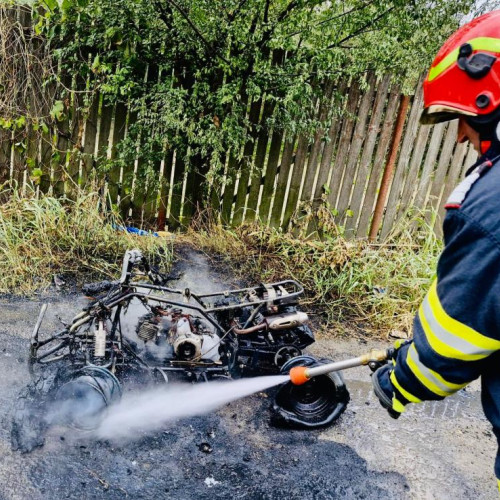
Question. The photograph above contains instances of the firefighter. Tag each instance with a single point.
(456, 332)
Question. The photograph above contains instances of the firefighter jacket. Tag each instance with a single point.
(456, 332)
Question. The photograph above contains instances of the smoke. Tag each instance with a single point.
(147, 412)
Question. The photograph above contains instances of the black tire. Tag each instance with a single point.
(317, 403)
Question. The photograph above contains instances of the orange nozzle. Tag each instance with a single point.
(299, 375)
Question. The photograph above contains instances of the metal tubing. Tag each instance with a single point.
(53, 350)
(377, 355)
(299, 290)
(334, 367)
(34, 335)
(76, 325)
(252, 329)
(41, 343)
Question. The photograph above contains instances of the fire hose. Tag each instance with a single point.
(301, 374)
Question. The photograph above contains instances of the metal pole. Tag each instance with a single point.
(389, 168)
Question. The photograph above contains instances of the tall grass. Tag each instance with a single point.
(41, 236)
(379, 287)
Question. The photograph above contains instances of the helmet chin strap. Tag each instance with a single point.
(488, 127)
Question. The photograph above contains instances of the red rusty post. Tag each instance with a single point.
(389, 168)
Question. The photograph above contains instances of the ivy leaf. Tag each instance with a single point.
(20, 122)
(36, 176)
(95, 64)
(51, 4)
(57, 111)
(65, 4)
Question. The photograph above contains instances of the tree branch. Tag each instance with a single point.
(337, 16)
(266, 11)
(362, 29)
(236, 11)
(210, 49)
(268, 33)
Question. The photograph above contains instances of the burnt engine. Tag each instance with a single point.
(178, 336)
(132, 328)
(267, 335)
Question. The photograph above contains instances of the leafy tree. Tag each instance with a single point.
(190, 68)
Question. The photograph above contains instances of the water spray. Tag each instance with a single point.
(299, 375)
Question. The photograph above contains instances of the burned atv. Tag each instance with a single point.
(142, 328)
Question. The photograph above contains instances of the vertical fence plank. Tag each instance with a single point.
(443, 165)
(89, 141)
(344, 143)
(456, 166)
(355, 148)
(387, 176)
(367, 155)
(296, 179)
(4, 156)
(257, 173)
(321, 187)
(378, 164)
(313, 163)
(284, 172)
(411, 183)
(119, 130)
(402, 166)
(245, 165)
(177, 181)
(165, 190)
(429, 164)
(229, 185)
(270, 176)
(18, 156)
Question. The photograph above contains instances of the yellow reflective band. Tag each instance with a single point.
(455, 327)
(418, 369)
(442, 348)
(405, 393)
(398, 343)
(481, 43)
(498, 482)
(397, 405)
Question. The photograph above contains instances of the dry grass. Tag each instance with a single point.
(43, 236)
(379, 287)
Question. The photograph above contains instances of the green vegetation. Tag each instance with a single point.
(43, 236)
(189, 69)
(378, 287)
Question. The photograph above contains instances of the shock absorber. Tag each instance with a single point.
(100, 340)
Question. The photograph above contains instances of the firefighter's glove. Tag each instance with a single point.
(382, 387)
(392, 352)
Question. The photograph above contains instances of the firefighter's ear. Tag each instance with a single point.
(497, 131)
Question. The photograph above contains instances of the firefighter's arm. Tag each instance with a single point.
(458, 323)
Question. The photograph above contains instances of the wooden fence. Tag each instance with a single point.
(281, 177)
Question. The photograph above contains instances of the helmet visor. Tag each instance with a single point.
(438, 114)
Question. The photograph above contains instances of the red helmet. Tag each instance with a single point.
(464, 78)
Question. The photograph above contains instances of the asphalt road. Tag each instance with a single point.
(436, 450)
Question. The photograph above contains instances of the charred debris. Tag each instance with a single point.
(139, 330)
